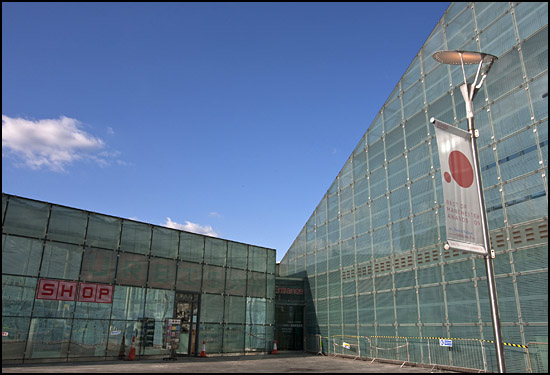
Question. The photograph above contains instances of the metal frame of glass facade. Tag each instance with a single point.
(145, 264)
(372, 251)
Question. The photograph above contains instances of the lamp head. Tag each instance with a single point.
(468, 57)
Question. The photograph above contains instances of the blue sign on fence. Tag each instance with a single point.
(443, 342)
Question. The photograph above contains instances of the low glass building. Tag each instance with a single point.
(78, 285)
(382, 285)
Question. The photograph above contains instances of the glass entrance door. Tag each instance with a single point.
(186, 308)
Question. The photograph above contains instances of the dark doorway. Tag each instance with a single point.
(186, 308)
(289, 327)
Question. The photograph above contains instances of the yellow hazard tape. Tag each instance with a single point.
(434, 338)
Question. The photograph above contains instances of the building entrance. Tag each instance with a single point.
(186, 308)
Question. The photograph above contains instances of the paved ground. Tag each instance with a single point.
(283, 362)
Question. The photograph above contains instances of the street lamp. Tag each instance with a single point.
(469, 92)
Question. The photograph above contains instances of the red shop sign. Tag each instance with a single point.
(58, 290)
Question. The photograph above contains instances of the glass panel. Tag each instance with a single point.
(346, 201)
(128, 303)
(333, 206)
(211, 334)
(378, 183)
(165, 242)
(21, 256)
(26, 218)
(215, 251)
(413, 100)
(89, 338)
(397, 173)
(499, 37)
(530, 17)
(535, 53)
(518, 155)
(67, 225)
(271, 261)
(361, 192)
(256, 310)
(17, 295)
(211, 309)
(13, 345)
(103, 231)
(189, 277)
(92, 310)
(488, 12)
(257, 259)
(136, 237)
(233, 338)
(392, 115)
(399, 204)
(419, 161)
(235, 282)
(159, 304)
(61, 261)
(442, 109)
(162, 273)
(53, 309)
(412, 75)
(321, 211)
(237, 255)
(49, 338)
(459, 30)
(394, 143)
(525, 199)
(379, 215)
(437, 82)
(425, 229)
(257, 284)
(98, 265)
(132, 269)
(213, 279)
(508, 66)
(4, 205)
(345, 176)
(191, 247)
(422, 195)
(434, 43)
(375, 130)
(235, 308)
(128, 330)
(510, 114)
(539, 95)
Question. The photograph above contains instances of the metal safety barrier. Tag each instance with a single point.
(460, 353)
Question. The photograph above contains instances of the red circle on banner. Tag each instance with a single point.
(461, 169)
(447, 177)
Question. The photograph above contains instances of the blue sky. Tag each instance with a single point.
(227, 119)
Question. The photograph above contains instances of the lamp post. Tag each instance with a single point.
(469, 92)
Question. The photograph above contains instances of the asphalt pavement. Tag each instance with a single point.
(291, 362)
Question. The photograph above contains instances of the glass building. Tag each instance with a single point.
(81, 285)
(382, 285)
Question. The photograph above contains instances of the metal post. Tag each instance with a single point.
(493, 300)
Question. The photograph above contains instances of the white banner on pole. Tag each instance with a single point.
(460, 189)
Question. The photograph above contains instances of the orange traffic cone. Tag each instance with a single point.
(274, 347)
(132, 354)
(203, 351)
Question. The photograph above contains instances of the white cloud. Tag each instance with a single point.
(49, 143)
(191, 227)
(215, 214)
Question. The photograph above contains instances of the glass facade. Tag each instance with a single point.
(372, 251)
(78, 284)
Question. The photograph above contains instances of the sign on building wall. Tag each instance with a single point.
(460, 189)
(59, 290)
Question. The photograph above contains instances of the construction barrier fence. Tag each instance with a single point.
(468, 354)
